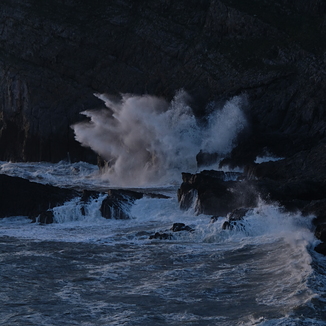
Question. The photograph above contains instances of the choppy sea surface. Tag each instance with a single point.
(87, 270)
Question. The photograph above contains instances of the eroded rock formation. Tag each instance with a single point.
(55, 54)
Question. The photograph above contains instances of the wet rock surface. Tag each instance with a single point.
(20, 197)
(176, 227)
(234, 217)
(118, 203)
(213, 195)
(55, 55)
(161, 236)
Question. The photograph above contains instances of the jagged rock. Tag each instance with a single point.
(118, 202)
(237, 214)
(87, 195)
(85, 198)
(320, 232)
(214, 218)
(20, 197)
(161, 236)
(186, 197)
(44, 217)
(214, 195)
(226, 225)
(206, 159)
(176, 227)
(318, 209)
(234, 217)
(207, 47)
(159, 196)
(296, 182)
(321, 248)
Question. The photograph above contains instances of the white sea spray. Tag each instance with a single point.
(147, 140)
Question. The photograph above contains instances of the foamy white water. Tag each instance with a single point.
(148, 141)
(261, 273)
(87, 270)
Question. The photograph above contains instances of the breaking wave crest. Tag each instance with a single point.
(146, 140)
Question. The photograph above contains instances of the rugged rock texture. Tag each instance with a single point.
(55, 54)
(176, 227)
(20, 197)
(118, 203)
(210, 194)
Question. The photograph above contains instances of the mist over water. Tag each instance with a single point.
(148, 141)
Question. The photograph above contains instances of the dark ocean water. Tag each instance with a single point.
(86, 270)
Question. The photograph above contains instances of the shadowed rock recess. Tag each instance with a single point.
(55, 54)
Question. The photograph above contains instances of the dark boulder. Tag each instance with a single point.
(20, 197)
(321, 248)
(237, 214)
(297, 182)
(177, 227)
(118, 203)
(45, 217)
(156, 195)
(86, 197)
(214, 218)
(234, 217)
(161, 236)
(214, 196)
(320, 232)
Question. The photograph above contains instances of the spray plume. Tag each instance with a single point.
(148, 141)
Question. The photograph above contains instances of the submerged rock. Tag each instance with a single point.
(176, 227)
(161, 236)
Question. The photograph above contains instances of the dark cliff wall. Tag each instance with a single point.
(54, 54)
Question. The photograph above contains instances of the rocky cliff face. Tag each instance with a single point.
(55, 54)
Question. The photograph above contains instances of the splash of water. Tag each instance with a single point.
(148, 141)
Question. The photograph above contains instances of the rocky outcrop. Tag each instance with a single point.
(53, 56)
(20, 197)
(297, 183)
(209, 194)
(118, 203)
(234, 218)
(176, 227)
